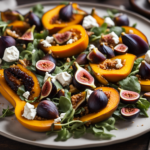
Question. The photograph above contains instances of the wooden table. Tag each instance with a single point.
(140, 143)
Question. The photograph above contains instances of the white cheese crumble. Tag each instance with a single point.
(26, 94)
(50, 39)
(89, 22)
(147, 57)
(70, 41)
(62, 115)
(114, 37)
(29, 111)
(11, 54)
(119, 64)
(88, 93)
(91, 47)
(33, 51)
(130, 31)
(57, 120)
(64, 78)
(45, 43)
(109, 22)
(49, 75)
(0, 61)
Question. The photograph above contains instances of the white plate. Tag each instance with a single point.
(11, 128)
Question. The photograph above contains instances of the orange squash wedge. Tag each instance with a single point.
(115, 75)
(70, 49)
(145, 85)
(53, 28)
(99, 20)
(108, 110)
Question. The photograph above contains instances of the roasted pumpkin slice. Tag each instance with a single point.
(69, 49)
(48, 17)
(108, 110)
(118, 74)
(145, 85)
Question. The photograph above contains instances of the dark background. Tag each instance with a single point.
(140, 143)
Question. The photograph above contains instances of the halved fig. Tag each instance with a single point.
(78, 99)
(95, 56)
(48, 90)
(136, 45)
(66, 12)
(61, 38)
(129, 97)
(82, 59)
(50, 58)
(106, 50)
(121, 20)
(97, 101)
(147, 96)
(120, 49)
(27, 36)
(144, 70)
(43, 66)
(47, 109)
(130, 113)
(82, 79)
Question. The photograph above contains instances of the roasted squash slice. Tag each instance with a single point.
(145, 85)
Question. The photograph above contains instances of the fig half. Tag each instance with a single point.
(82, 59)
(82, 79)
(120, 49)
(129, 97)
(43, 66)
(130, 113)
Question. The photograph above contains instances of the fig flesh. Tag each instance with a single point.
(136, 45)
(47, 109)
(97, 101)
(130, 113)
(129, 97)
(106, 50)
(61, 38)
(50, 58)
(43, 66)
(120, 49)
(121, 20)
(33, 19)
(5, 42)
(82, 59)
(82, 79)
(66, 12)
(144, 70)
(95, 56)
(48, 89)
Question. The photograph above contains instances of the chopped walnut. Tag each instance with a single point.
(12, 33)
(107, 93)
(24, 62)
(68, 59)
(73, 89)
(39, 118)
(89, 33)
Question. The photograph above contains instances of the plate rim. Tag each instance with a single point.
(22, 140)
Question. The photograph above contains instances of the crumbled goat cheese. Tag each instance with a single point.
(26, 94)
(147, 57)
(130, 31)
(119, 64)
(33, 51)
(70, 41)
(89, 22)
(91, 47)
(50, 39)
(45, 43)
(88, 93)
(57, 120)
(62, 115)
(109, 22)
(49, 75)
(0, 61)
(114, 37)
(29, 111)
(11, 54)
(64, 78)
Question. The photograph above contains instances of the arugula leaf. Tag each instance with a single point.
(40, 79)
(3, 26)
(21, 90)
(6, 65)
(130, 83)
(136, 64)
(38, 10)
(42, 35)
(134, 25)
(111, 13)
(117, 30)
(7, 112)
(58, 85)
(57, 71)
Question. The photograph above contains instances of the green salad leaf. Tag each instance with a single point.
(3, 26)
(42, 35)
(117, 30)
(134, 25)
(6, 113)
(38, 10)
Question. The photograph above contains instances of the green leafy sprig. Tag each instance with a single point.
(7, 112)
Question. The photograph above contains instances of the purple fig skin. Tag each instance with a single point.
(50, 58)
(136, 45)
(60, 93)
(6, 41)
(66, 12)
(82, 59)
(121, 20)
(97, 101)
(106, 50)
(47, 109)
(130, 116)
(144, 70)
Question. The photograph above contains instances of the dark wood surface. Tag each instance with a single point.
(140, 143)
